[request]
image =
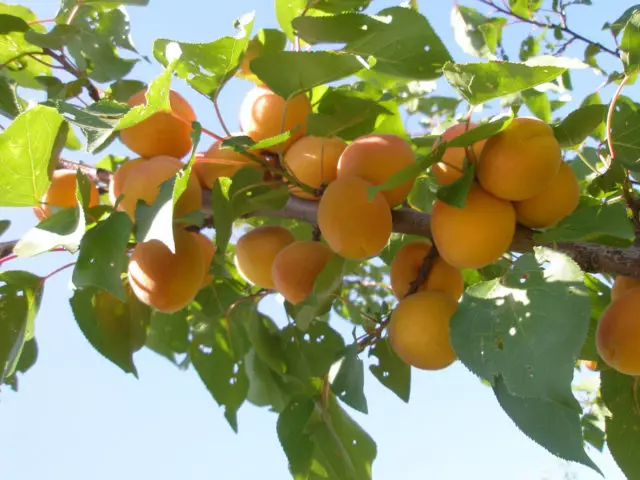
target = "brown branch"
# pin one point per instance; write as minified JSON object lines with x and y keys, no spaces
{"x":92,"y":90}
{"x":423,"y":273}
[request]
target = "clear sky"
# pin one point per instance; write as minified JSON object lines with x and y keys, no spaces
{"x":79,"y":417}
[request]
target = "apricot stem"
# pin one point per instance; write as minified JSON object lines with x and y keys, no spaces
{"x":423,"y":273}
{"x":612,"y":107}
{"x":219,"y":115}
{"x":58,"y":270}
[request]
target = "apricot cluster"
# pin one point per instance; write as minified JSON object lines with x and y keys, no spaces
{"x":520,"y":179}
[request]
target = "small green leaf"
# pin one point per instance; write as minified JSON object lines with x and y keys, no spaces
{"x":29,"y":149}
{"x":348,"y":383}
{"x":476,"y":34}
{"x":305,"y":70}
{"x":455,"y":193}
{"x":122,"y":90}
{"x":390,"y":370}
{"x":11,"y":23}
{"x":249,"y":193}
{"x":56,"y":39}
{"x":222,"y":213}
{"x":624,"y":134}
{"x":617,"y":26}
{"x":482,"y":131}
{"x":103,"y":255}
{"x":481,"y":82}
{"x":10,"y":103}
{"x":286,"y":11}
{"x":524,"y":8}
{"x":552,"y":425}
{"x":538,"y":103}
{"x":168,"y":334}
{"x":579,"y":124}
{"x":630,"y":44}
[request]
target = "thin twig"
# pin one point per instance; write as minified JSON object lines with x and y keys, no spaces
{"x":612,"y":107}
{"x":423,"y":273}
{"x":92,"y":90}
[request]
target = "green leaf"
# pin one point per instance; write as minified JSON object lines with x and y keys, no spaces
{"x":579,"y":124}
{"x":294,"y":437}
{"x":476,"y":34}
{"x":122,"y":90}
{"x":594,"y":99}
{"x":10,"y":103}
{"x":207,"y":66}
{"x":617,"y":26}
{"x":552,"y":425}
{"x":222,"y":212}
{"x":27,"y":359}
{"x":455,"y":193}
{"x":626,"y":141}
{"x":56,"y":39}
{"x":249,"y":193}
{"x":29,"y":149}
{"x":264,"y":336}
{"x":348,"y":383}
{"x":538,"y":103}
{"x":619,"y":393}
{"x":592,"y":221}
{"x":511,"y":329}
{"x":286,"y":11}
{"x":11,"y":23}
{"x":305,"y":70}
{"x":524,"y":8}
{"x":103,"y":255}
{"x":265,"y":386}
{"x":4,"y":226}
{"x":390,"y":370}
{"x":630,"y":44}
{"x":530,"y":47}
{"x":168,"y":334}
{"x":593,"y":428}
{"x":481,"y":82}
{"x":339,"y":6}
{"x":482,"y":131}
{"x":401,"y":40}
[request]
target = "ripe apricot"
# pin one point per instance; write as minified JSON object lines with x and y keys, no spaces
{"x":119,"y":177}
{"x":558,"y":200}
{"x":622,"y":284}
{"x":119,"y":322}
{"x":450,"y":168}
{"x":220,"y":162}
{"x":256,"y":251}
{"x":296,"y":267}
{"x":406,"y":265}
{"x":62,"y":194}
{"x":143,"y":182}
{"x":164,"y":280}
{"x":314,"y":162}
{"x":163,"y":133}
{"x":520,"y":161}
{"x":262,"y":112}
{"x":208,"y":252}
{"x":419,"y":330}
{"x":476,"y":235}
{"x":618,"y":333}
{"x":353,"y":226}
{"x":377,"y":157}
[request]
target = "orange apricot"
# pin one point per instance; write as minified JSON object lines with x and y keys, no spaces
{"x":520,"y":161}
{"x":353,"y":226}
{"x":622,"y":284}
{"x":163,"y":133}
{"x":62,"y":194}
{"x":143,"y":182}
{"x":296,"y":267}
{"x":419,"y":330}
{"x":450,"y":168}
{"x":262,"y":113}
{"x":208,"y":252}
{"x":556,"y":201}
{"x":377,"y":157}
{"x":119,"y":177}
{"x":406,"y":265}
{"x":476,"y":235}
{"x":314,"y":162}
{"x":256,"y":251}
{"x":165,"y":280}
{"x":618,"y":333}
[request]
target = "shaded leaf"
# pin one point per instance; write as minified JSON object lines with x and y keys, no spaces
{"x":456,"y":192}
{"x":265,"y":386}
{"x":538,"y":103}
{"x":348,"y":383}
{"x":390,"y":370}
{"x":56,"y":39}
{"x":624,"y":133}
{"x":579,"y":124}
{"x":294,"y":437}
{"x":476,"y":34}
{"x":286,"y":11}
{"x":10,"y":103}
{"x":168,"y":334}
{"x":264,"y":337}
{"x":630,"y":44}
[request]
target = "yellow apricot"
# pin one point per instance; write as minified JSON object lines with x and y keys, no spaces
{"x":618,"y":333}
{"x":450,"y":168}
{"x":622,"y":284}
{"x":520,"y":161}
{"x":164,"y":280}
{"x":476,"y":235}
{"x":353,"y":226}
{"x":419,"y":330}
{"x":558,"y":200}
{"x":119,"y":177}
{"x":118,"y":321}
{"x":256,"y":251}
{"x":406,"y":265}
{"x":296,"y":267}
{"x":143,"y":182}
{"x":163,"y":133}
{"x":62,"y":194}
{"x":221,"y":162}
{"x":262,"y":112}
{"x":377,"y":157}
{"x":208,"y":252}
{"x":314,"y":162}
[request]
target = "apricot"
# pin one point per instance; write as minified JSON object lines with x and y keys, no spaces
{"x":375,"y":158}
{"x":263,"y":115}
{"x":521,"y":161}
{"x":476,"y":235}
{"x":119,"y":322}
{"x":163,"y":133}
{"x":622,"y":284}
{"x":256,"y":251}
{"x":353,"y":226}
{"x":314,"y":162}
{"x":419,"y":330}
{"x":220,"y":162}
{"x":296,"y":267}
{"x":558,"y":200}
{"x":165,"y":280}
{"x":618,"y":333}
{"x":120,"y":176}
{"x":62,"y":194}
{"x":405,"y":268}
{"x":208,"y":252}
{"x":450,"y":168}
{"x":143,"y":182}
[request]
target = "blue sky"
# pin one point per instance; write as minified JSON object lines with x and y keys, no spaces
{"x":77,"y":416}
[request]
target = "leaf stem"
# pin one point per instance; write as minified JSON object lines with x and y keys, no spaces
{"x":612,"y":107}
{"x":58,"y":270}
{"x":92,"y":90}
{"x":219,"y":115}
